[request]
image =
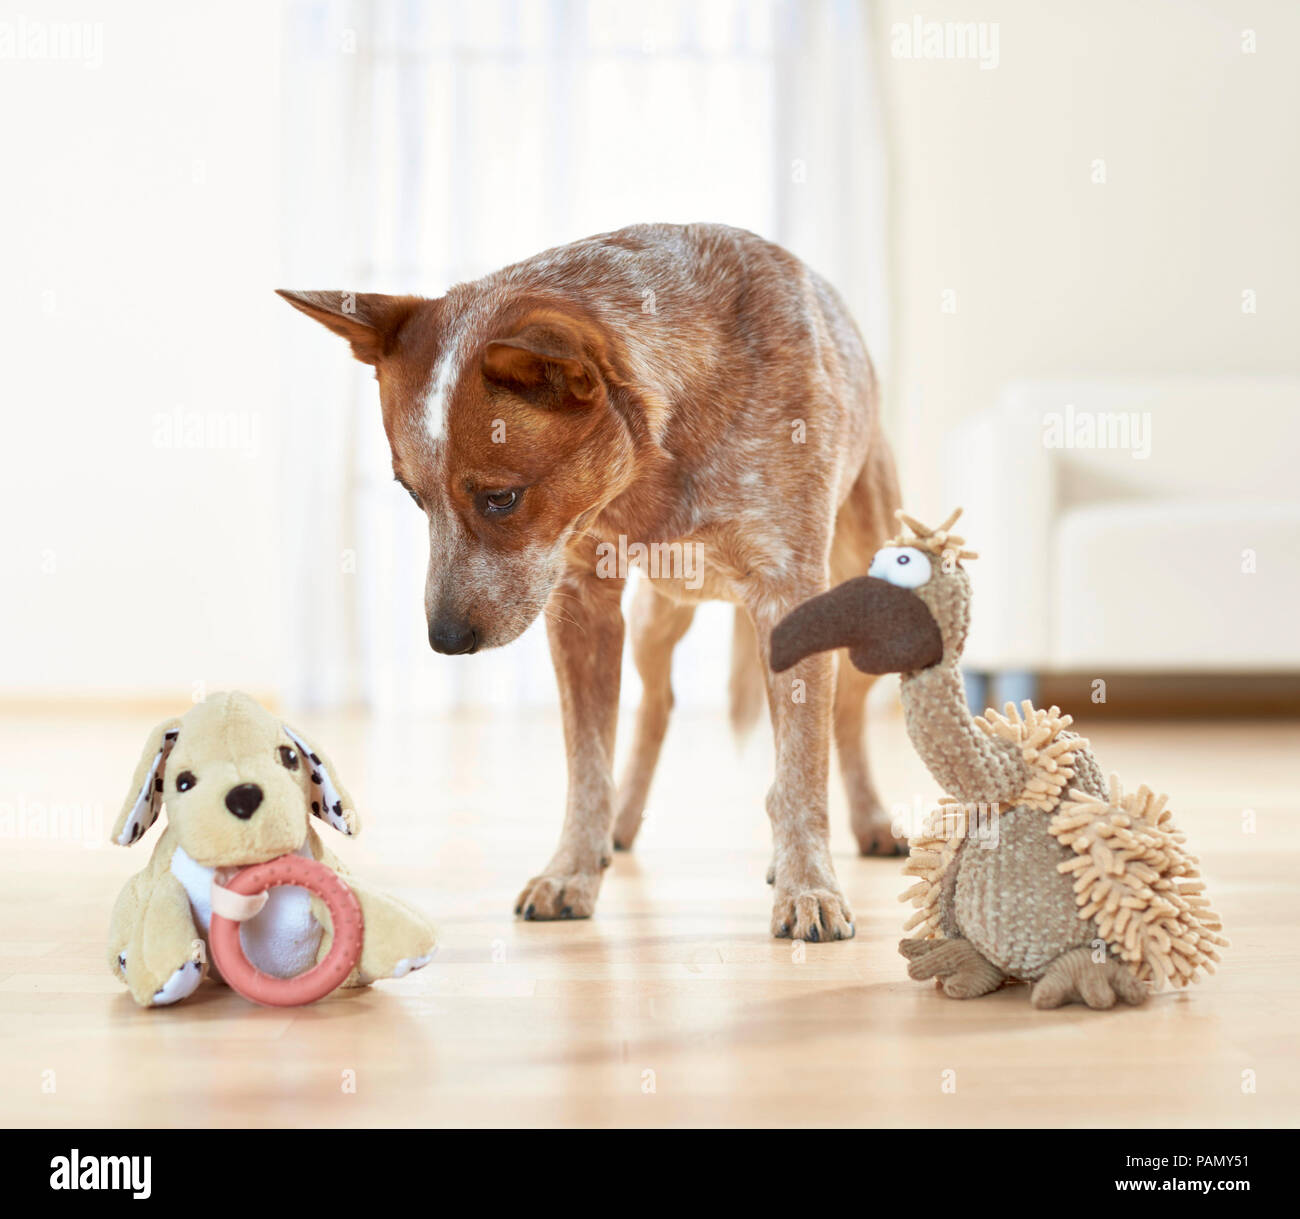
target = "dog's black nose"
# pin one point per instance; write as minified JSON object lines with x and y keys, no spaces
{"x":244,"y":799}
{"x":452,"y":637}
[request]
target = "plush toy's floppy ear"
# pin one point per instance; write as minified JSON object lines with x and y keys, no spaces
{"x":144,"y":800}
{"x":330,"y":800}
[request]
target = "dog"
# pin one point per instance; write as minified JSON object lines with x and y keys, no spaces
{"x":654,"y":392}
{"x":240,"y":788}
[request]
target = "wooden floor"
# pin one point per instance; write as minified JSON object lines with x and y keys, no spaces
{"x":672,"y":1006}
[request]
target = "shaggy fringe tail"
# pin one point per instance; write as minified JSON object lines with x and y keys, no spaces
{"x":747,"y":690}
{"x":1134,"y":878}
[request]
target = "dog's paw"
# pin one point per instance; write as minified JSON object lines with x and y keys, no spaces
{"x":811,"y":914}
{"x":627,"y":820}
{"x":559,"y":895}
{"x":874,"y":831}
{"x":183,"y":983}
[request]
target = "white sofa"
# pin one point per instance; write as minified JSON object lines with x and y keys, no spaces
{"x":1149,"y":526}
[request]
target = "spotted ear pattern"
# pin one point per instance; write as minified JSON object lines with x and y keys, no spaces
{"x":330,"y":801}
{"x":145,"y":800}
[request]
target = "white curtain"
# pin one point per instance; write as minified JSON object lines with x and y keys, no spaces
{"x":427,"y":143}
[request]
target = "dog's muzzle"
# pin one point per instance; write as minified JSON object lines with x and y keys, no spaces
{"x":452,"y":638}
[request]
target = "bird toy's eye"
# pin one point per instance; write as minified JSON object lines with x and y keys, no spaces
{"x":903,"y":566}
{"x":185,"y":780}
{"x":288,"y":758}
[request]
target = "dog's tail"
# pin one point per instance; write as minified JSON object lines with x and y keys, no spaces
{"x":747,"y":688}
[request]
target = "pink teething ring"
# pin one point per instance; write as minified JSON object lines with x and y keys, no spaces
{"x":321,"y":978}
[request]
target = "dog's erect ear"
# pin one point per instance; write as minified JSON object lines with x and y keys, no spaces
{"x":368,"y":320}
{"x":145,"y":799}
{"x":544,"y":363}
{"x":329,"y":798}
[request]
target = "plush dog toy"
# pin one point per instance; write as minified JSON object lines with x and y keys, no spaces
{"x":241,"y":788}
{"x":1034,"y":869}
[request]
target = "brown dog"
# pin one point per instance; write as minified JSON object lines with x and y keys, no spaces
{"x":688,"y":399}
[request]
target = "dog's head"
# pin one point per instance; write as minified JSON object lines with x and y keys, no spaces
{"x":509,"y":427}
{"x":238,"y":785}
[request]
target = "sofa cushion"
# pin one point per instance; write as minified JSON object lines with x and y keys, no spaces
{"x":1176,"y":585}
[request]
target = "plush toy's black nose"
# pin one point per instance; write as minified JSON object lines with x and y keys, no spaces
{"x":244,"y":799}
{"x":452,"y":637}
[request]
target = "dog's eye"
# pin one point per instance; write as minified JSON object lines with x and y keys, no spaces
{"x":419,"y":503}
{"x":288,"y":758}
{"x":185,"y":780}
{"x":499,"y":502}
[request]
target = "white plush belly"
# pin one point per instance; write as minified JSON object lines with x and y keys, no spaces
{"x":282,"y":939}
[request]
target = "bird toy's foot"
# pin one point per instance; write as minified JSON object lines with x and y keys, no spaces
{"x":954,"y":964}
{"x":1075,"y":977}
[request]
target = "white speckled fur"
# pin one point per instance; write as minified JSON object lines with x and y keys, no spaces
{"x":739,"y":416}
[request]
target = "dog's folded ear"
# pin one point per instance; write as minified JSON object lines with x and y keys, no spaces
{"x":145,"y":799}
{"x":368,"y":320}
{"x":544,"y":362}
{"x":329,"y":798}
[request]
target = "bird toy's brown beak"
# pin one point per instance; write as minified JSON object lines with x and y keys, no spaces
{"x":885,"y":628}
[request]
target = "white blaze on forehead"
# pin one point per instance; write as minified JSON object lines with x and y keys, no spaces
{"x":471,"y":317}
{"x":445,"y":373}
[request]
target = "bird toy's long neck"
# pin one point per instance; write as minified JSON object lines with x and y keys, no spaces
{"x":970,"y":765}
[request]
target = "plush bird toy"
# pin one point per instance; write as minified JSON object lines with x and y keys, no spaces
{"x":1034,"y":868}
{"x":240,"y":871}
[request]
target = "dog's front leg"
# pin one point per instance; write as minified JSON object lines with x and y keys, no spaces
{"x":807,"y":902}
{"x":584,"y":623}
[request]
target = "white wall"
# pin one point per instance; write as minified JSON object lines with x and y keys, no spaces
{"x":138,"y":246}
{"x":1055,"y":275}
{"x":137,"y":242}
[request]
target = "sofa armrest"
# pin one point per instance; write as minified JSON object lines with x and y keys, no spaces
{"x":997,"y":467}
